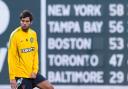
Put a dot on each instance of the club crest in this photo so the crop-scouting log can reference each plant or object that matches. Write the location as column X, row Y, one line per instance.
column 31, row 39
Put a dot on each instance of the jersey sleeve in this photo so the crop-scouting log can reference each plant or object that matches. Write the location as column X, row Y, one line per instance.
column 36, row 60
column 12, row 51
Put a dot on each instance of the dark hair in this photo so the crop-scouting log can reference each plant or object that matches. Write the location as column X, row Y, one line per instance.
column 26, row 13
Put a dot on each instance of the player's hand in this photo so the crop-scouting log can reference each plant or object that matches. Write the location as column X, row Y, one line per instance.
column 33, row 75
column 13, row 84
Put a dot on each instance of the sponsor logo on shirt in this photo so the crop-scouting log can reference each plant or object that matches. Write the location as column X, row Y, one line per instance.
column 27, row 50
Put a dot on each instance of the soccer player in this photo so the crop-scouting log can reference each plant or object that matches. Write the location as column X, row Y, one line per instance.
column 23, row 57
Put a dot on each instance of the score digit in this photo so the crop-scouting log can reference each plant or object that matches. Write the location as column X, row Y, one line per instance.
column 116, row 60
column 116, row 26
column 116, row 77
column 116, row 9
column 116, row 43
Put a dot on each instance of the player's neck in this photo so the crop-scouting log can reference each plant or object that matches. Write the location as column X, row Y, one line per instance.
column 25, row 30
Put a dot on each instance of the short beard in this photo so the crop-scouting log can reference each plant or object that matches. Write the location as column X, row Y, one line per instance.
column 25, row 29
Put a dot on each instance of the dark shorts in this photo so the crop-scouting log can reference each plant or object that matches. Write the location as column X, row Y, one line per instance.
column 28, row 83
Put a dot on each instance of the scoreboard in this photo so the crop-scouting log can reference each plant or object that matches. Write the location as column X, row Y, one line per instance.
column 83, row 44
column 87, row 42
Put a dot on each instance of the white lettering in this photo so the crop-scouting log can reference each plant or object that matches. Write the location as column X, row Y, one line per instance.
column 73, row 60
column 4, row 16
column 3, row 52
column 76, row 77
column 92, row 27
column 64, row 27
column 87, row 10
column 69, row 43
column 58, row 10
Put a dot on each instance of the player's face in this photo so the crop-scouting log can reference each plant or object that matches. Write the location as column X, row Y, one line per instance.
column 25, row 23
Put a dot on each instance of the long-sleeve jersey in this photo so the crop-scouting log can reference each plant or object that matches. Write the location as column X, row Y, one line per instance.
column 22, row 53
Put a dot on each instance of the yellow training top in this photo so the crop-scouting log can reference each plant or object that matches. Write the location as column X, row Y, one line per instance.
column 22, row 53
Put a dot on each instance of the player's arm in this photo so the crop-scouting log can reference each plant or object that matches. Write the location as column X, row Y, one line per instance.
column 11, row 61
column 11, row 57
column 36, row 60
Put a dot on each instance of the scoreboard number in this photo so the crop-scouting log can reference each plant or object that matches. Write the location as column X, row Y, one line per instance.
column 116, row 77
column 116, row 60
column 116, row 43
column 116, row 10
column 116, row 26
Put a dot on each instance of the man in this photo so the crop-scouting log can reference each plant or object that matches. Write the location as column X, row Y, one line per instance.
column 23, row 57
